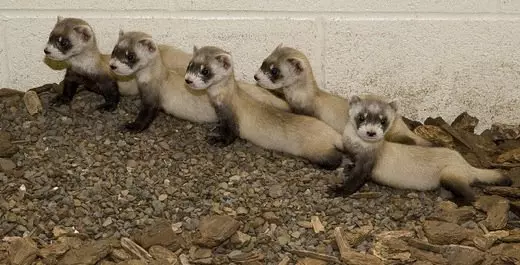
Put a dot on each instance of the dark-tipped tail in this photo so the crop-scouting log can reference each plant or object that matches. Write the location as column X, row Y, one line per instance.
column 490, row 177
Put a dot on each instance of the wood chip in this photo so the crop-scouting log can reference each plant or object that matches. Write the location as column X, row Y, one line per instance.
column 247, row 257
column 423, row 245
column 8, row 92
column 135, row 249
column 315, row 255
column 317, row 225
column 483, row 227
column 484, row 160
column 503, row 191
column 32, row 102
column 309, row 261
column 366, row 195
column 184, row 259
column 342, row 243
column 505, row 165
column 284, row 261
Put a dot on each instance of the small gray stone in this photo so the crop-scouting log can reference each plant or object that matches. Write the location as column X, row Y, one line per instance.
column 284, row 239
column 6, row 165
column 242, row 210
column 131, row 163
column 107, row 222
column 271, row 217
column 276, row 191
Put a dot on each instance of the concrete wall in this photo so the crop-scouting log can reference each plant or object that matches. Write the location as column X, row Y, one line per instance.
column 436, row 56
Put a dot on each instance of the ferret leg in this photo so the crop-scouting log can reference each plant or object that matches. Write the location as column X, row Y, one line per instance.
column 228, row 130
column 457, row 184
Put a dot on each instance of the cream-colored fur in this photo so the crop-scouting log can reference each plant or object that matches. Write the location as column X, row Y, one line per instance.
column 178, row 60
column 156, row 80
column 264, row 96
column 422, row 168
column 183, row 102
column 412, row 166
column 267, row 126
column 272, row 129
column 302, row 92
column 173, row 58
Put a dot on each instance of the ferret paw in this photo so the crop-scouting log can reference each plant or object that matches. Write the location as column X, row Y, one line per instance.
column 338, row 190
column 219, row 141
column 107, row 106
column 59, row 100
column 132, row 127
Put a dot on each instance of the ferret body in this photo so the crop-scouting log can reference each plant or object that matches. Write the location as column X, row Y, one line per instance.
column 290, row 70
column 404, row 166
column 73, row 41
column 137, row 54
column 160, row 87
column 241, row 116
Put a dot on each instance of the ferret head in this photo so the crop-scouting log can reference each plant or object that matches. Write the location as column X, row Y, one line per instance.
column 209, row 66
column 134, row 51
column 283, row 67
column 371, row 116
column 70, row 37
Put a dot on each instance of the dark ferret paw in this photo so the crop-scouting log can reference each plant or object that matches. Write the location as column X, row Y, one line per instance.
column 218, row 141
column 59, row 100
column 108, row 107
column 132, row 127
column 337, row 190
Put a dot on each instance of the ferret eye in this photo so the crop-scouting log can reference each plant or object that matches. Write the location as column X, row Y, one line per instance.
column 64, row 42
column 383, row 121
column 275, row 71
column 130, row 56
column 361, row 118
column 204, row 72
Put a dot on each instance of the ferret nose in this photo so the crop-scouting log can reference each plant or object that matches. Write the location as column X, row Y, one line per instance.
column 188, row 81
column 256, row 77
column 46, row 51
column 113, row 67
column 371, row 133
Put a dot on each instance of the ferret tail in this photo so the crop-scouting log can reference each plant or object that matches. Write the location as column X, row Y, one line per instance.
column 489, row 176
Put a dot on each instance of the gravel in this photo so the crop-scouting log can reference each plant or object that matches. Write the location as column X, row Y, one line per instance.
column 79, row 170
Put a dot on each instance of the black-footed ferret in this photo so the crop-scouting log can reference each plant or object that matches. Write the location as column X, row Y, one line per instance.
column 136, row 53
column 163, row 87
column 241, row 116
column 72, row 40
column 290, row 70
column 399, row 165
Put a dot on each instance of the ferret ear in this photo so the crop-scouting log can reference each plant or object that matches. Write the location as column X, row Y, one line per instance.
column 355, row 99
column 148, row 44
column 297, row 64
column 121, row 34
column 195, row 49
column 225, row 60
column 393, row 104
column 59, row 19
column 84, row 31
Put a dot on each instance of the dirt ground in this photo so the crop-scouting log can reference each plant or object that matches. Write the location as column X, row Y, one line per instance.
column 75, row 189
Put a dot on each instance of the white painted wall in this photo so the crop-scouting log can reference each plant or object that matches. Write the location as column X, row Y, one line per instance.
column 436, row 56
